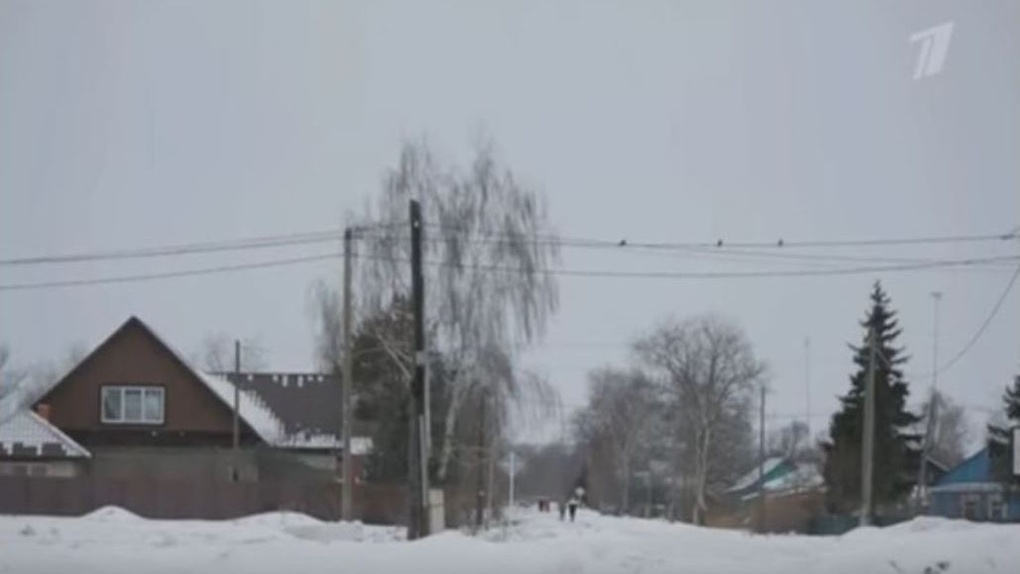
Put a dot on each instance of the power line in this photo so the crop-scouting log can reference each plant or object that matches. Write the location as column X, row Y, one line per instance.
column 474, row 236
column 984, row 326
column 240, row 244
column 766, row 274
column 166, row 274
column 367, row 230
column 739, row 251
column 970, row 343
column 180, row 249
column 503, row 269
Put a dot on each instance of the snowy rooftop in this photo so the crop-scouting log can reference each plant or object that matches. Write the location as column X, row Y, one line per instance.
column 752, row 476
column 253, row 411
column 804, row 476
column 26, row 434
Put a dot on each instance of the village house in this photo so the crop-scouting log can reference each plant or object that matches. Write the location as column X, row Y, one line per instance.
column 134, row 415
column 970, row 490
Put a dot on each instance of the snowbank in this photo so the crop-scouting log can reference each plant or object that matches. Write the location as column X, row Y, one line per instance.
column 115, row 542
column 112, row 514
column 277, row 519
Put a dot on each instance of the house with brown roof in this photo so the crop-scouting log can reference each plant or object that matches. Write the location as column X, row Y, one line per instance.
column 141, row 408
column 136, row 415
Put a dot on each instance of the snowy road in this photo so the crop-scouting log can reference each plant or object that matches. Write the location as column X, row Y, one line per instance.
column 114, row 542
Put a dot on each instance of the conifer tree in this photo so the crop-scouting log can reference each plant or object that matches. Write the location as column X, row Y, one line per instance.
column 897, row 444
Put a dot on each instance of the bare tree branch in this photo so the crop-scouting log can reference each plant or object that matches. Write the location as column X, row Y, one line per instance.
column 216, row 354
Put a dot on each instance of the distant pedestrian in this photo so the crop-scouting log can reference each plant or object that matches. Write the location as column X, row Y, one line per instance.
column 562, row 508
column 572, row 505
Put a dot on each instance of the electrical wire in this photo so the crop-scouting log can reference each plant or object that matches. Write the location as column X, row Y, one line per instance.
column 722, row 244
column 371, row 230
column 503, row 269
column 984, row 326
column 241, row 244
column 970, row 343
column 166, row 274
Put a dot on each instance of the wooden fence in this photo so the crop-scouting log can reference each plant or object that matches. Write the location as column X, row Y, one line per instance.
column 169, row 498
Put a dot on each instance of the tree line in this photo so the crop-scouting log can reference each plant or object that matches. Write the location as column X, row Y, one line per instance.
column 677, row 425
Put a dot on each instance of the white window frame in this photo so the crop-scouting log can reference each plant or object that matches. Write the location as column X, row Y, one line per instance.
column 122, row 419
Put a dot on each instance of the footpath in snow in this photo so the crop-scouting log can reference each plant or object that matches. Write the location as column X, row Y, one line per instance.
column 113, row 541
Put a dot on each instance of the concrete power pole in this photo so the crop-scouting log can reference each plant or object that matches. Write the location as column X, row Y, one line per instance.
column 761, row 461
column 868, row 452
column 807, row 387
column 235, row 472
column 346, row 383
column 929, row 427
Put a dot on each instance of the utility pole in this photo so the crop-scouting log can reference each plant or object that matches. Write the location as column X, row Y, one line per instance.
column 235, row 473
column 480, row 477
column 761, row 461
column 868, row 454
column 807, row 387
column 419, row 394
column 513, row 472
column 347, row 386
column 929, row 430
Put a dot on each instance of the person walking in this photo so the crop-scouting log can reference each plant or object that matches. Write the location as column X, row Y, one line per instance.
column 572, row 505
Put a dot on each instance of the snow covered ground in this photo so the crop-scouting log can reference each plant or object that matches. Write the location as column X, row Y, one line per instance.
column 113, row 541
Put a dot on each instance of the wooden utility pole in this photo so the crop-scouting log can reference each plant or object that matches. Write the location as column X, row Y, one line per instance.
column 235, row 472
column 512, row 477
column 807, row 387
column 347, row 386
column 419, row 394
column 761, row 461
column 480, row 483
column 868, row 452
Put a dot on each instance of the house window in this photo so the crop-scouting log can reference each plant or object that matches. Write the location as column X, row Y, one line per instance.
column 996, row 507
column 133, row 405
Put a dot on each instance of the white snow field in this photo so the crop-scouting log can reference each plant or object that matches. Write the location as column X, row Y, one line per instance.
column 114, row 541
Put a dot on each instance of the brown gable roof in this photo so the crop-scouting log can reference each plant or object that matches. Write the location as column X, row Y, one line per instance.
column 285, row 410
column 255, row 416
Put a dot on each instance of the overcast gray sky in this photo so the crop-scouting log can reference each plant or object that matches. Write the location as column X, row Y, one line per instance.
column 132, row 124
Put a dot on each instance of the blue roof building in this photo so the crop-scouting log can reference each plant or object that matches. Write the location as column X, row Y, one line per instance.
column 969, row 490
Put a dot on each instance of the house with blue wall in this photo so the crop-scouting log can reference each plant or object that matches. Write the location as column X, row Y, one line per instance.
column 970, row 490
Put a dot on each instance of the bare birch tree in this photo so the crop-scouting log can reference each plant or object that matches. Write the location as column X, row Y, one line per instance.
column 488, row 247
column 708, row 366
column 621, row 404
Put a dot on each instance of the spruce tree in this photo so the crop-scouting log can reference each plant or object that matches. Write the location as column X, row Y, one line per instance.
column 897, row 444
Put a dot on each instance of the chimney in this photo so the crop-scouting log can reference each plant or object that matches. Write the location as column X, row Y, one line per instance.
column 43, row 410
